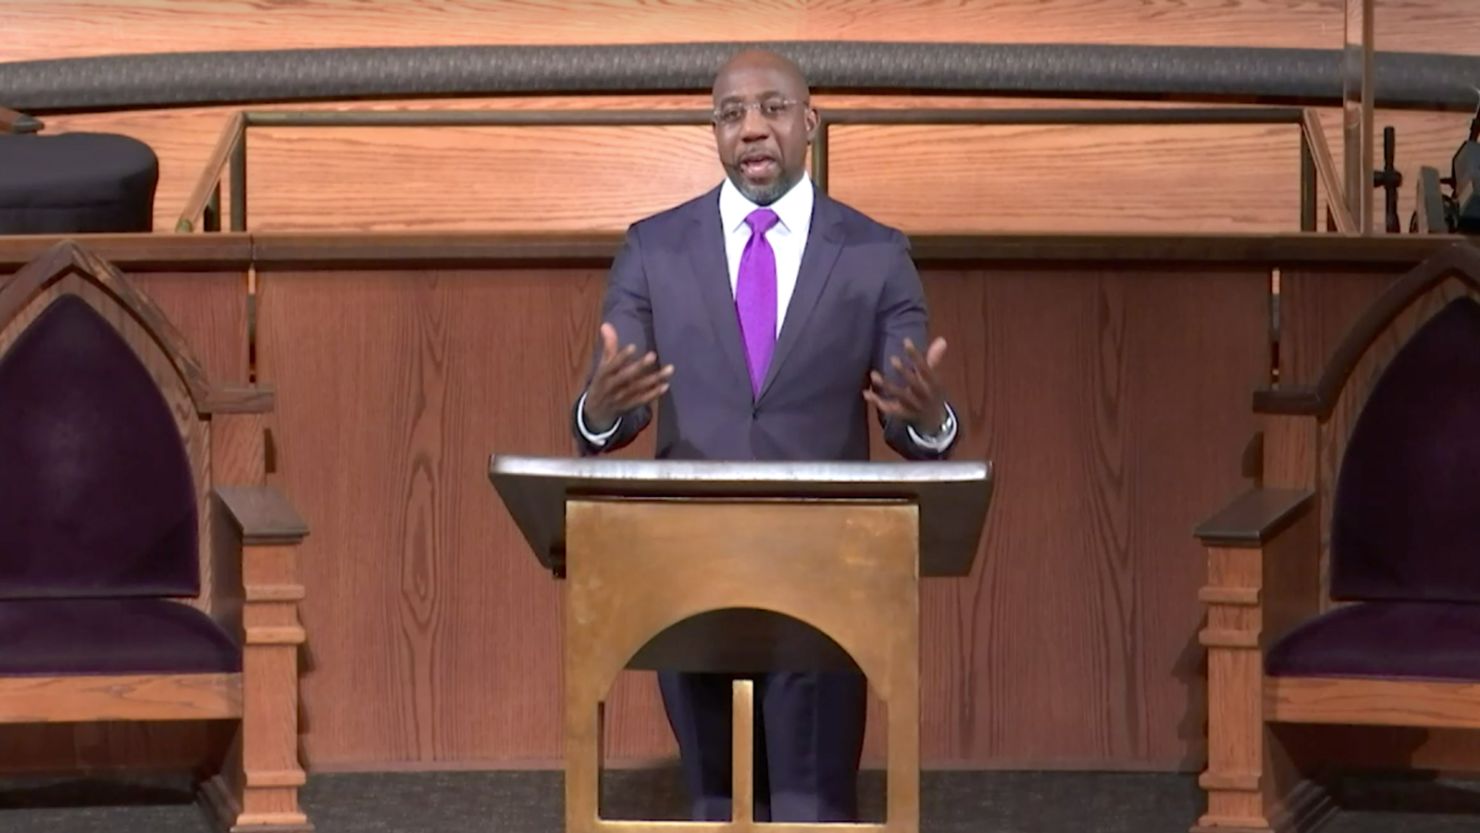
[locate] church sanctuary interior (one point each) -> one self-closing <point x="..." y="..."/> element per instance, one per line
<point x="311" y="520"/>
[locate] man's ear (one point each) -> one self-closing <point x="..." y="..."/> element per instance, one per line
<point x="812" y="120"/>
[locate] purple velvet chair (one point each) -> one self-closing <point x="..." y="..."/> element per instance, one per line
<point x="135" y="584"/>
<point x="1346" y="588"/>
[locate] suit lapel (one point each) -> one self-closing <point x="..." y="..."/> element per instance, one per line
<point x="824" y="242"/>
<point x="712" y="271"/>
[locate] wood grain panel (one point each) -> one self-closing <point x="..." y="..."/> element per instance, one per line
<point x="539" y="179"/>
<point x="925" y="179"/>
<point x="1076" y="631"/>
<point x="1071" y="178"/>
<point x="1070" y="645"/>
<point x="929" y="178"/>
<point x="121" y="697"/>
<point x="1317" y="309"/>
<point x="1418" y="703"/>
<point x="68" y="28"/>
<point x="210" y="311"/>
<point x="394" y="389"/>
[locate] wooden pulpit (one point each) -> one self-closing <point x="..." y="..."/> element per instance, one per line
<point x="685" y="566"/>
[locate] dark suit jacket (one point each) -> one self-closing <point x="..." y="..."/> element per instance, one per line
<point x="857" y="298"/>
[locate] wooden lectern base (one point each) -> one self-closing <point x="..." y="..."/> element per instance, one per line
<point x="636" y="567"/>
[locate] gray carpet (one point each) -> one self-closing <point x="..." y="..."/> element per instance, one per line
<point x="530" y="802"/>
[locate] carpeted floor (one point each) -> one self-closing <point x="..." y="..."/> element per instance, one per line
<point x="530" y="802"/>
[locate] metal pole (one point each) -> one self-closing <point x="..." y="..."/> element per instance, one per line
<point x="1308" y="199"/>
<point x="211" y="217"/>
<point x="1357" y="116"/>
<point x="239" y="182"/>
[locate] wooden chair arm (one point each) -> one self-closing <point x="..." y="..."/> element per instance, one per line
<point x="1255" y="518"/>
<point x="13" y="122"/>
<point x="1263" y="568"/>
<point x="262" y="515"/>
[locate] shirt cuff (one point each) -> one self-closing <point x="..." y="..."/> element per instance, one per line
<point x="599" y="440"/>
<point x="936" y="442"/>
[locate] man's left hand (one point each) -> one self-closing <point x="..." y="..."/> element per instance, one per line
<point x="917" y="398"/>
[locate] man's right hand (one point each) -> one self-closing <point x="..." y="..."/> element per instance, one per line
<point x="622" y="381"/>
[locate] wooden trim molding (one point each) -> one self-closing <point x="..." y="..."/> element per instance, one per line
<point x="399" y="250"/>
<point x="1372" y="702"/>
<point x="120" y="697"/>
<point x="140" y="252"/>
<point x="403" y="250"/>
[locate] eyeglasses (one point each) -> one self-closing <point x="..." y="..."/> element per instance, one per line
<point x="771" y="109"/>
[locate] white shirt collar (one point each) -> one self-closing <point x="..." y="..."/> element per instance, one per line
<point x="794" y="209"/>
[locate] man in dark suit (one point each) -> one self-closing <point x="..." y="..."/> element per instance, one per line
<point x="764" y="317"/>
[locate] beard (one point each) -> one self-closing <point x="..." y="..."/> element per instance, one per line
<point x="761" y="194"/>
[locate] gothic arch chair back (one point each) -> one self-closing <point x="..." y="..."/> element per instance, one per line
<point x="1345" y="588"/>
<point x="135" y="585"/>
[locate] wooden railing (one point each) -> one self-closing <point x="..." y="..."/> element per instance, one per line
<point x="1318" y="169"/>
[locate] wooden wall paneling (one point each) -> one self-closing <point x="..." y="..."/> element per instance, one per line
<point x="393" y="389"/>
<point x="210" y="311"/>
<point x="435" y="602"/>
<point x="1115" y="416"/>
<point x="1317" y="308"/>
<point x="71" y="28"/>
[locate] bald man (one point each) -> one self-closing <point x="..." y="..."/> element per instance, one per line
<point x="764" y="318"/>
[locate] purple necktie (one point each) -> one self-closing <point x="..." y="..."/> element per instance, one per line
<point x="755" y="297"/>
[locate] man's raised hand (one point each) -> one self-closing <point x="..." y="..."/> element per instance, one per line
<point x="622" y="381"/>
<point x="918" y="398"/>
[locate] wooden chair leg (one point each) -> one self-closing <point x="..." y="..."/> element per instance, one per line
<point x="1234" y="781"/>
<point x="270" y="739"/>
<point x="259" y="789"/>
<point x="1252" y="784"/>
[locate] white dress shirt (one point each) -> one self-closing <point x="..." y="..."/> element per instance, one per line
<point x="788" y="239"/>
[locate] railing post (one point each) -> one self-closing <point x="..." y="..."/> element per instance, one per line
<point x="819" y="157"/>
<point x="239" y="180"/>
<point x="1356" y="95"/>
<point x="1308" y="191"/>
